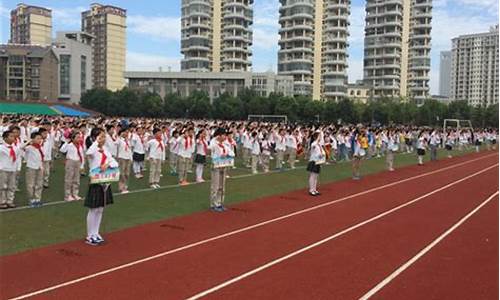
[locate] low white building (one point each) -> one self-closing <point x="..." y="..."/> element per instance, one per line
<point x="73" y="49"/>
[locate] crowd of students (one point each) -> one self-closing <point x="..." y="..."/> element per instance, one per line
<point x="131" y="145"/>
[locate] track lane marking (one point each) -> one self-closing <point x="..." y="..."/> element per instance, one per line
<point x="237" y="231"/>
<point x="331" y="237"/>
<point x="429" y="247"/>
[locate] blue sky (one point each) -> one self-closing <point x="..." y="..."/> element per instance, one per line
<point x="153" y="33"/>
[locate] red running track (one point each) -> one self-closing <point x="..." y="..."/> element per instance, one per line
<point x="192" y="270"/>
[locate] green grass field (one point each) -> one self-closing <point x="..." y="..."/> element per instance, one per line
<point x="31" y="228"/>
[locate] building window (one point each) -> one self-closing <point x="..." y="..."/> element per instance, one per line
<point x="83" y="73"/>
<point x="64" y="74"/>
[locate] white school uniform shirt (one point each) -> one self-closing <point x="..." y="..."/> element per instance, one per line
<point x="186" y="147"/>
<point x="255" y="146"/>
<point x="317" y="152"/>
<point x="280" y="142"/>
<point x="201" y="147"/>
<point x="266" y="147"/>
<point x="291" y="141"/>
<point x="96" y="156"/>
<point x="421" y="142"/>
<point x="72" y="151"/>
<point x="33" y="158"/>
<point x="435" y="140"/>
<point x="124" y="148"/>
<point x="173" y="145"/>
<point x="137" y="143"/>
<point x="220" y="149"/>
<point x="47" y="146"/>
<point x="7" y="162"/>
<point x="156" y="149"/>
<point x="245" y="139"/>
<point x="19" y="145"/>
<point x="111" y="144"/>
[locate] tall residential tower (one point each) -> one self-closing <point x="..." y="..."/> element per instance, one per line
<point x="108" y="26"/>
<point x="313" y="46"/>
<point x="216" y="35"/>
<point x="30" y="25"/>
<point x="474" y="68"/>
<point x="397" y="48"/>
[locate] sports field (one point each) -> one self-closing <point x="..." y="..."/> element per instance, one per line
<point x="408" y="234"/>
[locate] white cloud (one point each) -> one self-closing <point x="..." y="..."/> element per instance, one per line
<point x="159" y="28"/>
<point x="67" y="17"/>
<point x="265" y="38"/>
<point x="138" y="61"/>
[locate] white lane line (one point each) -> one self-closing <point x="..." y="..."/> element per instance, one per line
<point x="171" y="186"/>
<point x="332" y="237"/>
<point x="406" y="265"/>
<point x="234" y="232"/>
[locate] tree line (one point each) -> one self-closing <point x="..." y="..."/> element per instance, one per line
<point x="132" y="103"/>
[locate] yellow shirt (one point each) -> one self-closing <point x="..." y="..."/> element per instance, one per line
<point x="363" y="141"/>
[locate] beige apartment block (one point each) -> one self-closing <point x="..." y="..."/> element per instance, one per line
<point x="397" y="48"/>
<point x="474" y="68"/>
<point x="216" y="35"/>
<point x="30" y="25"/>
<point x="313" y="46"/>
<point x="108" y="25"/>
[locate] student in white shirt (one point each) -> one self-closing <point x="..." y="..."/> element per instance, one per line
<point x="280" y="147"/>
<point x="317" y="157"/>
<point x="266" y="152"/>
<point x="9" y="156"/>
<point x="255" y="151"/>
<point x="124" y="156"/>
<point x="421" y="146"/>
<point x="99" y="195"/>
<point x="34" y="169"/>
<point x="156" y="155"/>
<point x="392" y="147"/>
<point x="292" y="143"/>
<point x="47" y="145"/>
<point x="173" y="147"/>
<point x="111" y="140"/>
<point x="74" y="158"/>
<point x="218" y="150"/>
<point x="247" y="147"/>
<point x="201" y="154"/>
<point x="186" y="150"/>
<point x="138" y="149"/>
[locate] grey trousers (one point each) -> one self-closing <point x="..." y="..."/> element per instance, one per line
<point x="217" y="187"/>
<point x="71" y="178"/>
<point x="34" y="183"/>
<point x="7" y="187"/>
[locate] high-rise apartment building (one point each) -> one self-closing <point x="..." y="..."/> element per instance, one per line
<point x="216" y="35"/>
<point x="30" y="25"/>
<point x="313" y="46"/>
<point x="108" y="26"/>
<point x="474" y="68"/>
<point x="397" y="48"/>
<point x="444" y="73"/>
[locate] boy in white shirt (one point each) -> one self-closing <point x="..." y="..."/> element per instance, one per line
<point x="255" y="151"/>
<point x="74" y="158"/>
<point x="186" y="150"/>
<point x="156" y="156"/>
<point x="34" y="169"/>
<point x="138" y="140"/>
<point x="9" y="156"/>
<point x="173" y="145"/>
<point x="124" y="159"/>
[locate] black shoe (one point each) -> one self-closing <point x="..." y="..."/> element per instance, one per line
<point x="313" y="194"/>
<point x="45" y="186"/>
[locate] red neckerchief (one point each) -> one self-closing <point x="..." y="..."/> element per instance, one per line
<point x="17" y="141"/>
<point x="126" y="144"/>
<point x="39" y="147"/>
<point x="160" y="143"/>
<point x="221" y="145"/>
<point x="187" y="142"/>
<point x="205" y="147"/>
<point x="12" y="153"/>
<point x="77" y="146"/>
<point x="103" y="157"/>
